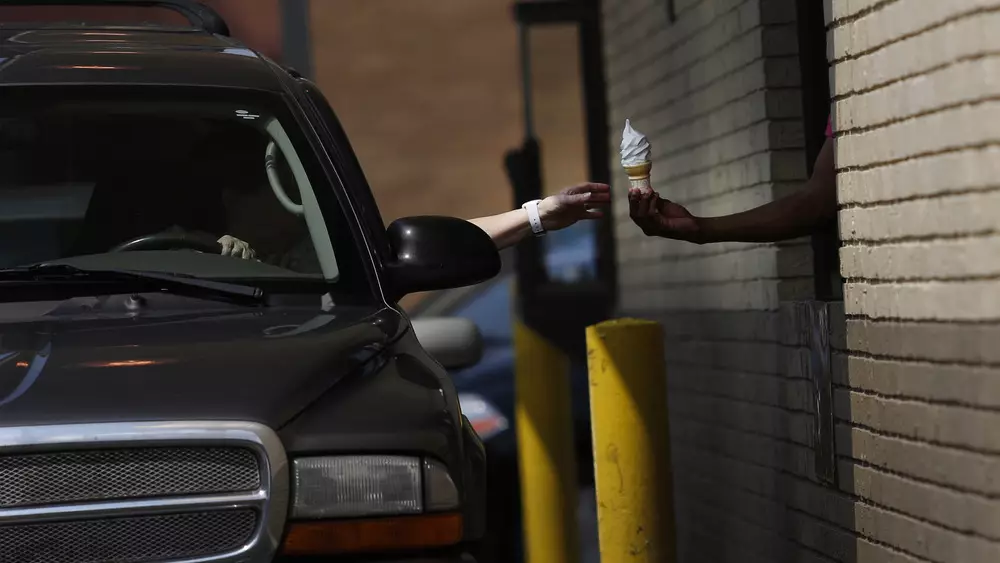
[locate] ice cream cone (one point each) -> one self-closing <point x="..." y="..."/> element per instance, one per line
<point x="638" y="175"/>
<point x="635" y="151"/>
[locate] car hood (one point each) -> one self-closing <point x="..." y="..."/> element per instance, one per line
<point x="80" y="361"/>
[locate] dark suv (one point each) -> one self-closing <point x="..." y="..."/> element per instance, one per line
<point x="201" y="354"/>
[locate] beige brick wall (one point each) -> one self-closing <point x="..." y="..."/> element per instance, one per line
<point x="918" y="397"/>
<point x="916" y="358"/>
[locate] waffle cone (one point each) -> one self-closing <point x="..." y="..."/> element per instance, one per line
<point x="639" y="170"/>
<point x="638" y="175"/>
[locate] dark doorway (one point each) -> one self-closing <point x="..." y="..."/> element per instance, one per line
<point x="816" y="110"/>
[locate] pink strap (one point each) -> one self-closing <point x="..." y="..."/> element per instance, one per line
<point x="829" y="127"/>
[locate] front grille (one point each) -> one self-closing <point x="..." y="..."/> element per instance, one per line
<point x="128" y="540"/>
<point x="64" y="477"/>
<point x="142" y="492"/>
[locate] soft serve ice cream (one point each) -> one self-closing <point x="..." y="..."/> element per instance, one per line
<point x="635" y="157"/>
<point x="634" y="148"/>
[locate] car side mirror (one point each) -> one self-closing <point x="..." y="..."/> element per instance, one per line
<point x="432" y="253"/>
<point x="454" y="342"/>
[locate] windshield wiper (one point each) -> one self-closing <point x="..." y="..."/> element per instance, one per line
<point x="171" y="283"/>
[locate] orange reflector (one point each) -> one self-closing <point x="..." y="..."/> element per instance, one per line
<point x="488" y="426"/>
<point x="375" y="535"/>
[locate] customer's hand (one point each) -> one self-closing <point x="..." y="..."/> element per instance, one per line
<point x="572" y="204"/>
<point x="232" y="246"/>
<point x="661" y="217"/>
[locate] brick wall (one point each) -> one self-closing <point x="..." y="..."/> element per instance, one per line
<point x="916" y="396"/>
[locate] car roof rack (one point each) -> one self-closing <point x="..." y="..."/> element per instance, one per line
<point x="200" y="15"/>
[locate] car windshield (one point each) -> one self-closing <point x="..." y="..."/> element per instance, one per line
<point x="98" y="180"/>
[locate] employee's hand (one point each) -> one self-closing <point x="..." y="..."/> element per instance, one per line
<point x="232" y="246"/>
<point x="661" y="217"/>
<point x="582" y="201"/>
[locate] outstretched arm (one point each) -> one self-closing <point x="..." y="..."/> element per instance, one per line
<point x="790" y="217"/>
<point x="506" y="229"/>
<point x="559" y="211"/>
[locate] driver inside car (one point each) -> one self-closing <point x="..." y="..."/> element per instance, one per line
<point x="163" y="186"/>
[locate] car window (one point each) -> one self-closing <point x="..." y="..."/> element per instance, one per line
<point x="83" y="174"/>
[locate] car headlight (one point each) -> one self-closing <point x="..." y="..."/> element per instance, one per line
<point x="374" y="485"/>
<point x="338" y="487"/>
<point x="370" y="503"/>
<point x="485" y="419"/>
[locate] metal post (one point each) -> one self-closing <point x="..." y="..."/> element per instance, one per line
<point x="543" y="407"/>
<point x="296" y="46"/>
<point x="628" y="406"/>
<point x="599" y="165"/>
<point x="546" y="457"/>
<point x="524" y="44"/>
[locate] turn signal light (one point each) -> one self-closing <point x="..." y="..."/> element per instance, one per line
<point x="332" y="537"/>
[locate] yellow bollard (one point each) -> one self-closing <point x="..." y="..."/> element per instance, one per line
<point x="544" y="419"/>
<point x="628" y="409"/>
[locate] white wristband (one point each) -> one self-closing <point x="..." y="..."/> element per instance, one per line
<point x="534" y="219"/>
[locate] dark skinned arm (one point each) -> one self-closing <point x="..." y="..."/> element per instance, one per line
<point x="792" y="216"/>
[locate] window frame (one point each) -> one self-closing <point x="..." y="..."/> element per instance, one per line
<point x="347" y="170"/>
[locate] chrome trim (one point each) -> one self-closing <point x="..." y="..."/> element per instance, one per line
<point x="141" y="507"/>
<point x="271" y="500"/>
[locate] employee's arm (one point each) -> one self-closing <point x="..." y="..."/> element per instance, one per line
<point x="792" y="216"/>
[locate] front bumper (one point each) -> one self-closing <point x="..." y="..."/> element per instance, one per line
<point x="448" y="557"/>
